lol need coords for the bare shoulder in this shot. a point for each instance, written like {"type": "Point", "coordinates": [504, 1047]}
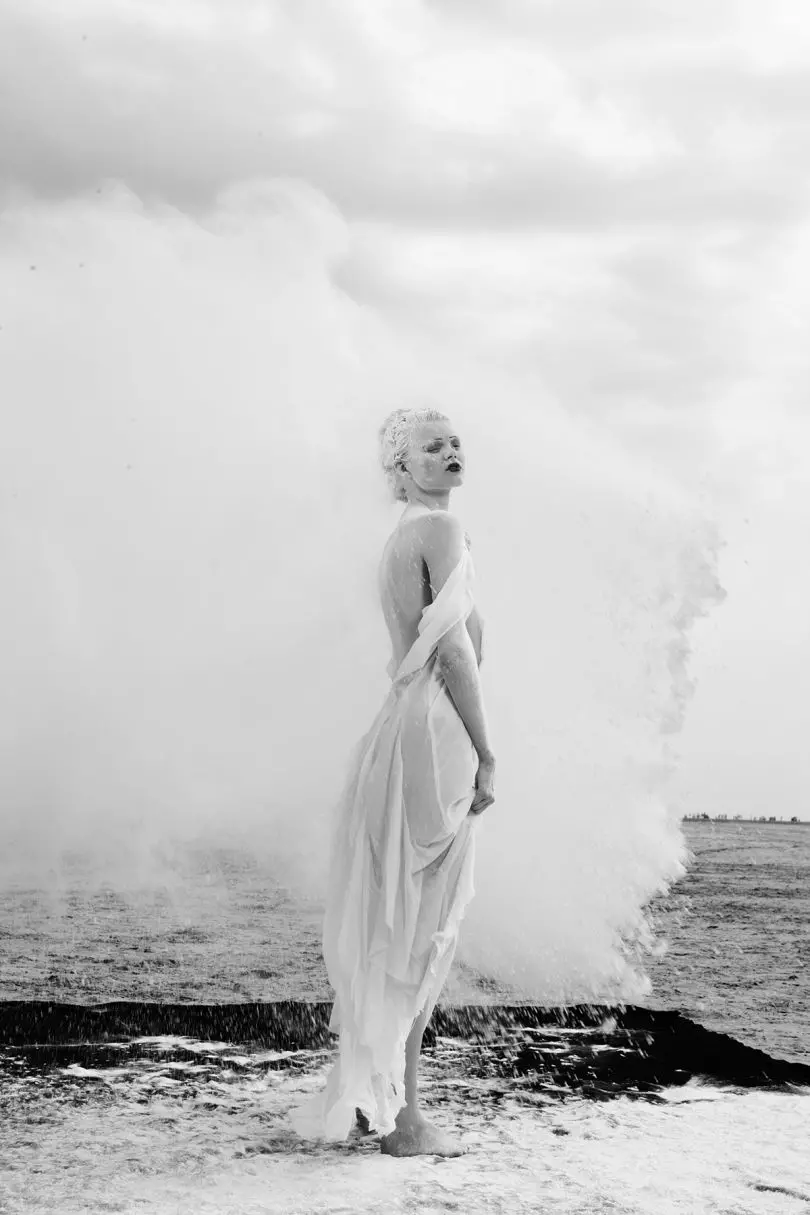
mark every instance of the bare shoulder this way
{"type": "Point", "coordinates": [442, 541]}
{"type": "Point", "coordinates": [440, 531]}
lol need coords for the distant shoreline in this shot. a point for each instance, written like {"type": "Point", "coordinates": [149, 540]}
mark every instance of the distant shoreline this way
{"type": "Point", "coordinates": [738, 822]}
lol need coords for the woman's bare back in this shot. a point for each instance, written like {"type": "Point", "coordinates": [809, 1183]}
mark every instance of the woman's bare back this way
{"type": "Point", "coordinates": [405, 586]}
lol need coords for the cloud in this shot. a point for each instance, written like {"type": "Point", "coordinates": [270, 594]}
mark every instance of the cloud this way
{"type": "Point", "coordinates": [404, 113]}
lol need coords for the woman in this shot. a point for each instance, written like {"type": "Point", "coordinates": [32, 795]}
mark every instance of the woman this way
{"type": "Point", "coordinates": [402, 847]}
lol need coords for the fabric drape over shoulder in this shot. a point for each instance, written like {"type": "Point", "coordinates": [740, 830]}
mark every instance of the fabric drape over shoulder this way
{"type": "Point", "coordinates": [401, 876]}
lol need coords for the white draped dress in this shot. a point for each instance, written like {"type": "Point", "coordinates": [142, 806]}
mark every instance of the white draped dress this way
{"type": "Point", "coordinates": [401, 873]}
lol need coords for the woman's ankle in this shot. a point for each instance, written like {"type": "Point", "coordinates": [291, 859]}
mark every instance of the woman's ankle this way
{"type": "Point", "coordinates": [409, 1116]}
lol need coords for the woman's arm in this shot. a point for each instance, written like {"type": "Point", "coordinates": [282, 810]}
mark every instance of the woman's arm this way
{"type": "Point", "coordinates": [476, 633]}
{"type": "Point", "coordinates": [443, 548]}
{"type": "Point", "coordinates": [458, 665]}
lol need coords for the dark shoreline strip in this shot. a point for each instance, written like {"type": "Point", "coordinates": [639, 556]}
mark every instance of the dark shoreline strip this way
{"type": "Point", "coordinates": [626, 1046]}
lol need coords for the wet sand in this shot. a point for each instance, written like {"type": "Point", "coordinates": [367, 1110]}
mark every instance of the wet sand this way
{"type": "Point", "coordinates": [166, 1124]}
{"type": "Point", "coordinates": [177, 1110]}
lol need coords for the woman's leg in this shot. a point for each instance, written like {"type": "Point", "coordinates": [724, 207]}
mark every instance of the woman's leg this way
{"type": "Point", "coordinates": [413, 1049]}
{"type": "Point", "coordinates": [414, 1135]}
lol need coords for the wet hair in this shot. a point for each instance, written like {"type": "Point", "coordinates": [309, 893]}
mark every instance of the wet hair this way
{"type": "Point", "coordinates": [395, 442]}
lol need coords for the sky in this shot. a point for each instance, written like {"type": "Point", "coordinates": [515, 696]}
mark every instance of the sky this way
{"type": "Point", "coordinates": [607, 203]}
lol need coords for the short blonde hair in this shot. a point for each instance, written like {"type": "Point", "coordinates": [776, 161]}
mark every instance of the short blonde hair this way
{"type": "Point", "coordinates": [395, 442]}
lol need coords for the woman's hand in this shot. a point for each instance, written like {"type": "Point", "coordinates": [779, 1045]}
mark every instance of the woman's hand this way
{"type": "Point", "coordinates": [484, 785]}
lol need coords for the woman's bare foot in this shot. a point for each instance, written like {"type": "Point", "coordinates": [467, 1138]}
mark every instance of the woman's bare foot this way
{"type": "Point", "coordinates": [415, 1136]}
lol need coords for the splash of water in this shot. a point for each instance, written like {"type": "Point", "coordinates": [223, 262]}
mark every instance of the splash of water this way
{"type": "Point", "coordinates": [192, 516]}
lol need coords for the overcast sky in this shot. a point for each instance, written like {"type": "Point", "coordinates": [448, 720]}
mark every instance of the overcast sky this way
{"type": "Point", "coordinates": [609, 197]}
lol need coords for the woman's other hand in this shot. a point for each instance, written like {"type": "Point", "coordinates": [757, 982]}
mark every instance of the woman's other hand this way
{"type": "Point", "coordinates": [484, 785]}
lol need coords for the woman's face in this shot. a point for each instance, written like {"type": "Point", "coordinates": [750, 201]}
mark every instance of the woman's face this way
{"type": "Point", "coordinates": [435, 460]}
